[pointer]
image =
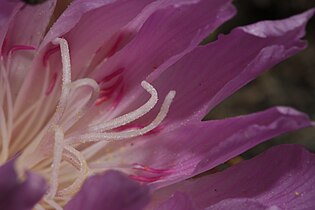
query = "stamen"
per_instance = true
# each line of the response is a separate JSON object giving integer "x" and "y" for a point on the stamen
{"x": 58, "y": 149}
{"x": 70, "y": 108}
{"x": 6, "y": 123}
{"x": 89, "y": 83}
{"x": 80, "y": 109}
{"x": 4, "y": 136}
{"x": 127, "y": 118}
{"x": 93, "y": 149}
{"x": 53, "y": 204}
{"x": 126, "y": 134}
{"x": 70, "y": 155}
{"x": 66, "y": 78}
{"x": 39, "y": 207}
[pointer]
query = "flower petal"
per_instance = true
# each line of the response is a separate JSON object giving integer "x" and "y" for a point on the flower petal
{"x": 240, "y": 204}
{"x": 281, "y": 178}
{"x": 172, "y": 156}
{"x": 165, "y": 37}
{"x": 17, "y": 195}
{"x": 113, "y": 191}
{"x": 7, "y": 10}
{"x": 178, "y": 201}
{"x": 211, "y": 73}
{"x": 26, "y": 29}
{"x": 103, "y": 21}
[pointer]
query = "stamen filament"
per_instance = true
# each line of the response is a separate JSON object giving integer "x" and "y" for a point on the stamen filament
{"x": 126, "y": 134}
{"x": 70, "y": 154}
{"x": 93, "y": 149}
{"x": 127, "y": 118}
{"x": 66, "y": 78}
{"x": 58, "y": 149}
{"x": 6, "y": 121}
{"x": 53, "y": 204}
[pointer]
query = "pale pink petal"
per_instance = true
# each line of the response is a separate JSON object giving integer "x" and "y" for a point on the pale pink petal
{"x": 281, "y": 178}
{"x": 22, "y": 39}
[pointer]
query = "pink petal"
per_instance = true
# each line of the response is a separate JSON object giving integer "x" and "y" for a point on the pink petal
{"x": 104, "y": 23}
{"x": 165, "y": 37}
{"x": 178, "y": 201}
{"x": 26, "y": 29}
{"x": 7, "y": 10}
{"x": 171, "y": 156}
{"x": 89, "y": 26}
{"x": 281, "y": 178}
{"x": 211, "y": 73}
{"x": 111, "y": 190}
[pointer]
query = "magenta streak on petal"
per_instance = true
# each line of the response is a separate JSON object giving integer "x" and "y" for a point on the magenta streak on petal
{"x": 51, "y": 84}
{"x": 106, "y": 93}
{"x": 110, "y": 89}
{"x": 149, "y": 169}
{"x": 112, "y": 75}
{"x": 20, "y": 47}
{"x": 49, "y": 53}
{"x": 101, "y": 100}
{"x": 4, "y": 44}
{"x": 145, "y": 179}
{"x": 115, "y": 47}
{"x": 119, "y": 97}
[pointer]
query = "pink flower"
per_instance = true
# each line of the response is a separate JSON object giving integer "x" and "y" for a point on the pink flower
{"x": 116, "y": 91}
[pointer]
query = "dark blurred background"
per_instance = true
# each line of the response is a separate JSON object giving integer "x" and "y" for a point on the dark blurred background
{"x": 291, "y": 83}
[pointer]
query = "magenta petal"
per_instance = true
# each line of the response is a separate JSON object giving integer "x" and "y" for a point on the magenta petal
{"x": 211, "y": 73}
{"x": 281, "y": 178}
{"x": 7, "y": 10}
{"x": 102, "y": 21}
{"x": 164, "y": 38}
{"x": 240, "y": 204}
{"x": 16, "y": 194}
{"x": 197, "y": 147}
{"x": 178, "y": 201}
{"x": 112, "y": 190}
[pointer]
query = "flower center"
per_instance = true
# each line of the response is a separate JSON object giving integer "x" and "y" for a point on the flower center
{"x": 70, "y": 150}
